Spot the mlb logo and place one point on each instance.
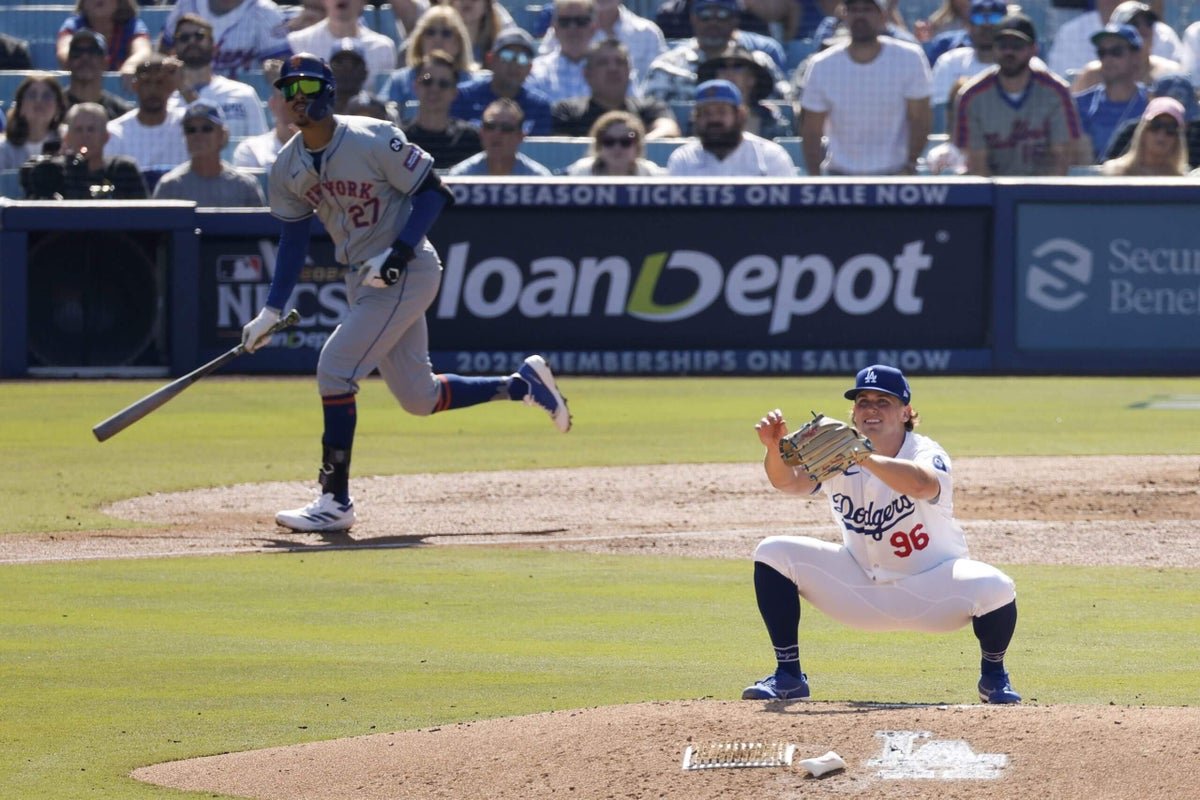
(240, 269)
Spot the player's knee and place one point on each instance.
(772, 551)
(996, 591)
(418, 407)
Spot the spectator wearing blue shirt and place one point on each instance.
(510, 61)
(501, 135)
(1105, 108)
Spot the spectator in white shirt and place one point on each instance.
(342, 21)
(641, 36)
(247, 32)
(559, 73)
(1073, 48)
(151, 134)
(870, 96)
(259, 152)
(722, 148)
(239, 102)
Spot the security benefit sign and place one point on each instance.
(1112, 277)
(687, 278)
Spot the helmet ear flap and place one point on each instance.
(321, 106)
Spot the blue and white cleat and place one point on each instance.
(780, 686)
(543, 391)
(997, 689)
(322, 514)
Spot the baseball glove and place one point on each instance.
(824, 447)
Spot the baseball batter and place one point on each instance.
(903, 562)
(377, 196)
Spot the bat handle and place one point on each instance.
(290, 319)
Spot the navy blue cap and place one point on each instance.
(1127, 32)
(881, 378)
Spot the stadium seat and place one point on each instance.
(659, 150)
(555, 153)
(36, 23)
(11, 79)
(10, 184)
(797, 50)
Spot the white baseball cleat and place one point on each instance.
(543, 391)
(322, 514)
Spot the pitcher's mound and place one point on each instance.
(636, 751)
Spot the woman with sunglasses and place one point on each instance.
(617, 148)
(118, 22)
(31, 128)
(448, 139)
(1158, 146)
(440, 28)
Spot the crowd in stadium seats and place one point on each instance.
(619, 87)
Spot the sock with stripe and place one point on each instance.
(779, 605)
(994, 631)
(459, 391)
(341, 415)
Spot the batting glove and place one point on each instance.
(384, 270)
(256, 332)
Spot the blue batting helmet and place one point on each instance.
(306, 65)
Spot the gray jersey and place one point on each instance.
(362, 193)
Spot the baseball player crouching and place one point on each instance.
(902, 563)
(377, 196)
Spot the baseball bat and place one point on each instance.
(159, 397)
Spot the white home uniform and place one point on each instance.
(362, 193)
(902, 564)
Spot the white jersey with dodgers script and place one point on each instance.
(890, 534)
(362, 192)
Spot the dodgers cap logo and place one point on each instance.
(881, 378)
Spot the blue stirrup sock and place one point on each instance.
(779, 605)
(459, 391)
(994, 631)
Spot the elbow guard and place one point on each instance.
(433, 183)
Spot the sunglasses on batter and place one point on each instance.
(305, 86)
(500, 127)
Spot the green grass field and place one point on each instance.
(109, 665)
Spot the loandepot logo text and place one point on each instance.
(779, 289)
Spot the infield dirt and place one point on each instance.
(1015, 510)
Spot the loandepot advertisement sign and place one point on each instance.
(1117, 277)
(635, 278)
